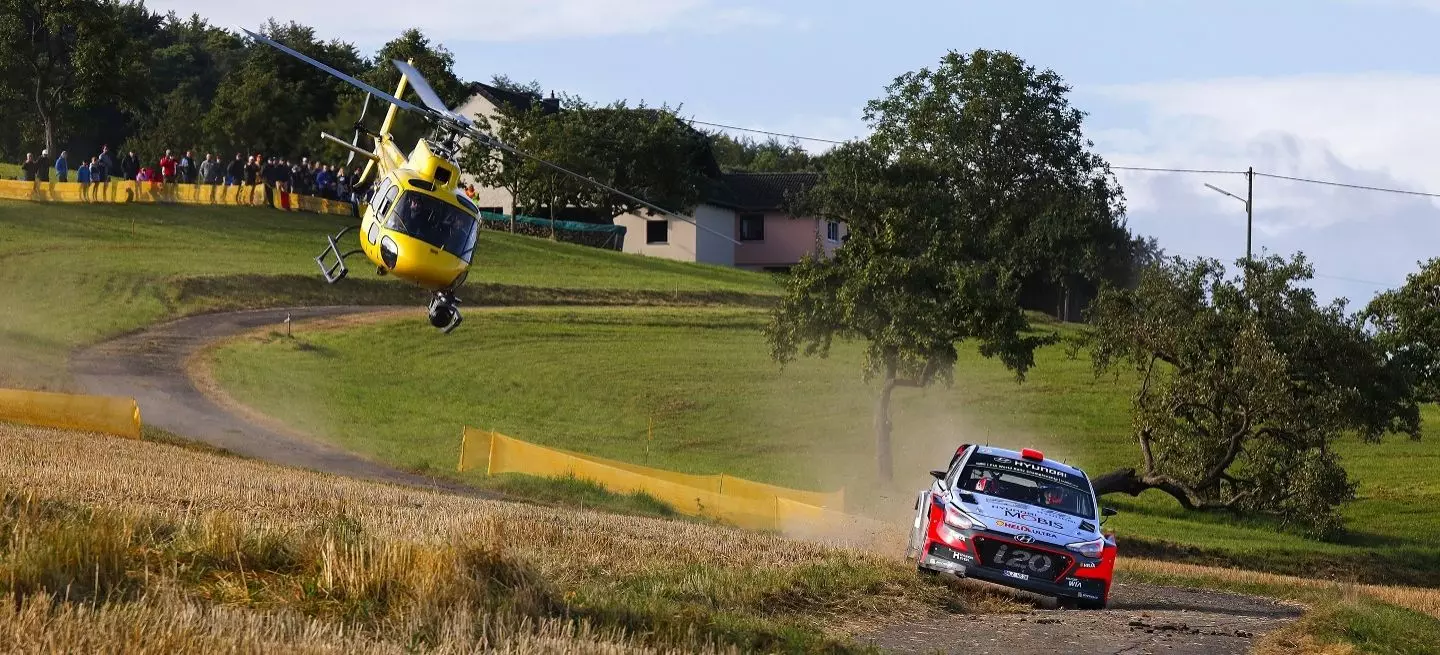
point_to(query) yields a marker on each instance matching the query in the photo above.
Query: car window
(1028, 483)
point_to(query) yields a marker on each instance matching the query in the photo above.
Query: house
(746, 207)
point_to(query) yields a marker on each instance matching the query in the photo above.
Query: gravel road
(1142, 619)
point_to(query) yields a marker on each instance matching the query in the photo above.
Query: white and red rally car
(1019, 520)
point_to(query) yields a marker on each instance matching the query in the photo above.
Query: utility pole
(1249, 210)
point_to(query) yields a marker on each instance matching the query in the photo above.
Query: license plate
(1018, 576)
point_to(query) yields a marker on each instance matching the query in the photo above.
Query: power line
(1349, 186)
(747, 129)
(1177, 170)
(1151, 169)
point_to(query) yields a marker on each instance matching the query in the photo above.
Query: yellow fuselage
(415, 225)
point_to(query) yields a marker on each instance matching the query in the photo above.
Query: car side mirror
(938, 475)
(1108, 511)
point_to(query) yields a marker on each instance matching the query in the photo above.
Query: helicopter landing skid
(335, 272)
(444, 312)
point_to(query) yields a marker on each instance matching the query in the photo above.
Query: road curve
(150, 366)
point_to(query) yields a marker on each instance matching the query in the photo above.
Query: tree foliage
(745, 154)
(976, 176)
(1407, 324)
(102, 72)
(1243, 386)
(646, 152)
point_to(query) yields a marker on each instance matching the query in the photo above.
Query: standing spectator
(167, 168)
(42, 167)
(252, 176)
(29, 169)
(62, 168)
(82, 175)
(235, 172)
(130, 166)
(99, 171)
(106, 160)
(209, 171)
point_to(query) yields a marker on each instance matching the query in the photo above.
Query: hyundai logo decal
(1024, 538)
(1004, 460)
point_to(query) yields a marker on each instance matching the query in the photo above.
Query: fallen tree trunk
(1127, 481)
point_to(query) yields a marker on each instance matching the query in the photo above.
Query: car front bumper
(942, 558)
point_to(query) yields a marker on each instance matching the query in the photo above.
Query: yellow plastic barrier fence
(475, 444)
(733, 486)
(132, 191)
(509, 455)
(106, 414)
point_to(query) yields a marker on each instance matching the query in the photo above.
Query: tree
(65, 56)
(1407, 323)
(747, 154)
(433, 61)
(646, 152)
(949, 205)
(1243, 385)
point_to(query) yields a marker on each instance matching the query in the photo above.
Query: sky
(1335, 90)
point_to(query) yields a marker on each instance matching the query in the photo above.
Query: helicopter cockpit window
(435, 222)
(383, 207)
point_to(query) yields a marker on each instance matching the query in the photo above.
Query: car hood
(1014, 518)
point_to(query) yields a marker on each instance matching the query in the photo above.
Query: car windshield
(435, 222)
(1027, 482)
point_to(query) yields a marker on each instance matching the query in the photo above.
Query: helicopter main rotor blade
(427, 94)
(366, 87)
(492, 141)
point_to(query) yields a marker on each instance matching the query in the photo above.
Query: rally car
(1019, 520)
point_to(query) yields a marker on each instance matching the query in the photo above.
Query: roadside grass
(10, 171)
(1341, 618)
(76, 274)
(594, 379)
(100, 537)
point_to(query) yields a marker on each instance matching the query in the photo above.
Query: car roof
(1015, 454)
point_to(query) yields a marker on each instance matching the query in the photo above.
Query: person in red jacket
(167, 168)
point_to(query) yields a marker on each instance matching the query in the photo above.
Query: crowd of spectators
(274, 174)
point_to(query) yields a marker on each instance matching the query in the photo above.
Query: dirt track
(151, 366)
(1141, 619)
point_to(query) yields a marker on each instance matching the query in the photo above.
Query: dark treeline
(76, 75)
(79, 74)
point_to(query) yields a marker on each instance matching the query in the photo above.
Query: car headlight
(1089, 548)
(960, 520)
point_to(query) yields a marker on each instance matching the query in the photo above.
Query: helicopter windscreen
(435, 222)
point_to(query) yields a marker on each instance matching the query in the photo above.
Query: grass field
(176, 548)
(592, 380)
(75, 274)
(106, 541)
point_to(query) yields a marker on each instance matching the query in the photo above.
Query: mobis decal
(1031, 517)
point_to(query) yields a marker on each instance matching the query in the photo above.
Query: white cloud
(369, 23)
(1376, 129)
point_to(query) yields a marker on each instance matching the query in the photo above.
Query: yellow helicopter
(417, 224)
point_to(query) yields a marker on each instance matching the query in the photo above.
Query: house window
(832, 231)
(752, 227)
(657, 231)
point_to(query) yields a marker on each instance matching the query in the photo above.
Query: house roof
(499, 96)
(759, 191)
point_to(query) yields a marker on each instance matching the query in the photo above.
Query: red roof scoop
(1032, 454)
